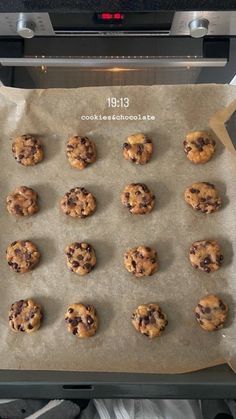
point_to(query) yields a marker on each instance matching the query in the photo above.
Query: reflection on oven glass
(68, 77)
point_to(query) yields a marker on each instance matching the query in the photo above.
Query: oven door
(63, 61)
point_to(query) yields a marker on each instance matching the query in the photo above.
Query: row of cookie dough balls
(137, 198)
(27, 149)
(23, 256)
(148, 319)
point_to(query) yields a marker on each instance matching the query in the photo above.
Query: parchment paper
(171, 228)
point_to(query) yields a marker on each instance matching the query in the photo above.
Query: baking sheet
(171, 228)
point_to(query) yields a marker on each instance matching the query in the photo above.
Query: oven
(42, 50)
(83, 48)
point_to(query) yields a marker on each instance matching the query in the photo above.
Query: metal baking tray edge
(212, 383)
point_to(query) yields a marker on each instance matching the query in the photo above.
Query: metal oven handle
(114, 62)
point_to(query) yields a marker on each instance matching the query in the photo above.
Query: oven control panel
(170, 23)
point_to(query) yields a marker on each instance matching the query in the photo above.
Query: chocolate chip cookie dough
(22, 202)
(81, 320)
(138, 198)
(203, 197)
(211, 313)
(149, 320)
(81, 258)
(206, 255)
(141, 261)
(80, 151)
(199, 146)
(25, 316)
(78, 202)
(22, 256)
(138, 148)
(27, 150)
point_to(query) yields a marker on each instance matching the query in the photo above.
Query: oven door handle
(104, 62)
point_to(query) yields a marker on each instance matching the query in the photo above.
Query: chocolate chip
(133, 159)
(188, 149)
(137, 193)
(126, 146)
(74, 322)
(145, 320)
(71, 202)
(75, 331)
(192, 251)
(83, 140)
(140, 149)
(207, 269)
(207, 310)
(133, 263)
(15, 266)
(75, 264)
(193, 190)
(70, 310)
(13, 243)
(147, 141)
(127, 194)
(222, 305)
(90, 320)
(207, 260)
(197, 315)
(77, 246)
(88, 307)
(88, 266)
(30, 326)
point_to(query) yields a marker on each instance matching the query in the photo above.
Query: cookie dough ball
(138, 198)
(81, 320)
(22, 202)
(78, 203)
(81, 258)
(25, 316)
(211, 313)
(206, 255)
(203, 197)
(80, 151)
(141, 261)
(22, 256)
(27, 150)
(199, 146)
(149, 320)
(138, 148)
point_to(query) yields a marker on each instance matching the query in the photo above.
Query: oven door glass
(79, 62)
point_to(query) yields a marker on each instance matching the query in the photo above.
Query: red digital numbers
(111, 16)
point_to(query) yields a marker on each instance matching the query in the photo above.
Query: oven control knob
(25, 28)
(198, 27)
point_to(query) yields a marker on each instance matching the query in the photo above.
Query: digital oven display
(110, 17)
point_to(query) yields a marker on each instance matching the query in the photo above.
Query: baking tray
(211, 383)
(33, 110)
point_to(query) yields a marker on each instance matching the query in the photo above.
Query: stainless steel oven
(44, 50)
(84, 48)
